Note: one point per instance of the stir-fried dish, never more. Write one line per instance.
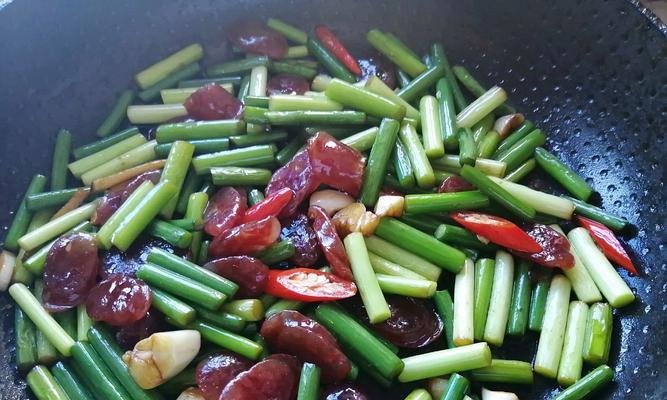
(304, 223)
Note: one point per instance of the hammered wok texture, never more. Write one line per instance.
(592, 74)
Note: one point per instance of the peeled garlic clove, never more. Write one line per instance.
(355, 218)
(173, 351)
(346, 220)
(161, 356)
(507, 123)
(330, 200)
(367, 223)
(389, 206)
(143, 368)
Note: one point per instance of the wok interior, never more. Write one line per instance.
(592, 74)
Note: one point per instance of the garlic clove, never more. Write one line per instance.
(143, 368)
(367, 223)
(389, 206)
(161, 356)
(173, 351)
(507, 123)
(330, 200)
(355, 218)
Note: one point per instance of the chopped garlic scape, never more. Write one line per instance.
(161, 356)
(7, 265)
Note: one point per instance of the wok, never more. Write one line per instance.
(593, 74)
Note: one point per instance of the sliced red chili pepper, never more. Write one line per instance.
(331, 42)
(271, 206)
(497, 230)
(306, 284)
(608, 243)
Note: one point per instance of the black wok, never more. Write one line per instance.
(593, 74)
